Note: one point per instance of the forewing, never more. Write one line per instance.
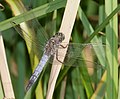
(82, 64)
(33, 33)
(31, 39)
(82, 52)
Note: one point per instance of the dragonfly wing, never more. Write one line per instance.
(81, 60)
(30, 39)
(76, 49)
(37, 26)
(82, 54)
(39, 30)
(81, 69)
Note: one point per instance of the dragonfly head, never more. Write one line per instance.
(61, 36)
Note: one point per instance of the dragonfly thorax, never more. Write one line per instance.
(53, 44)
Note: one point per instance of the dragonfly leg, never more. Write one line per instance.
(57, 57)
(63, 46)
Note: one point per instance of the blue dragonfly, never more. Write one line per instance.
(49, 46)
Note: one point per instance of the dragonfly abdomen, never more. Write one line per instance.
(37, 71)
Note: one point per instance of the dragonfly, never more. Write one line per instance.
(50, 49)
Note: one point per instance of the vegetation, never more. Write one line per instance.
(93, 74)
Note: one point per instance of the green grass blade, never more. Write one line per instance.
(119, 86)
(103, 24)
(100, 49)
(38, 12)
(90, 31)
(21, 69)
(101, 89)
(111, 52)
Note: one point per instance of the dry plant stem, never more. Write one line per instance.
(66, 29)
(4, 73)
(63, 88)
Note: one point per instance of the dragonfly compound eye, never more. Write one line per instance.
(59, 34)
(62, 37)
